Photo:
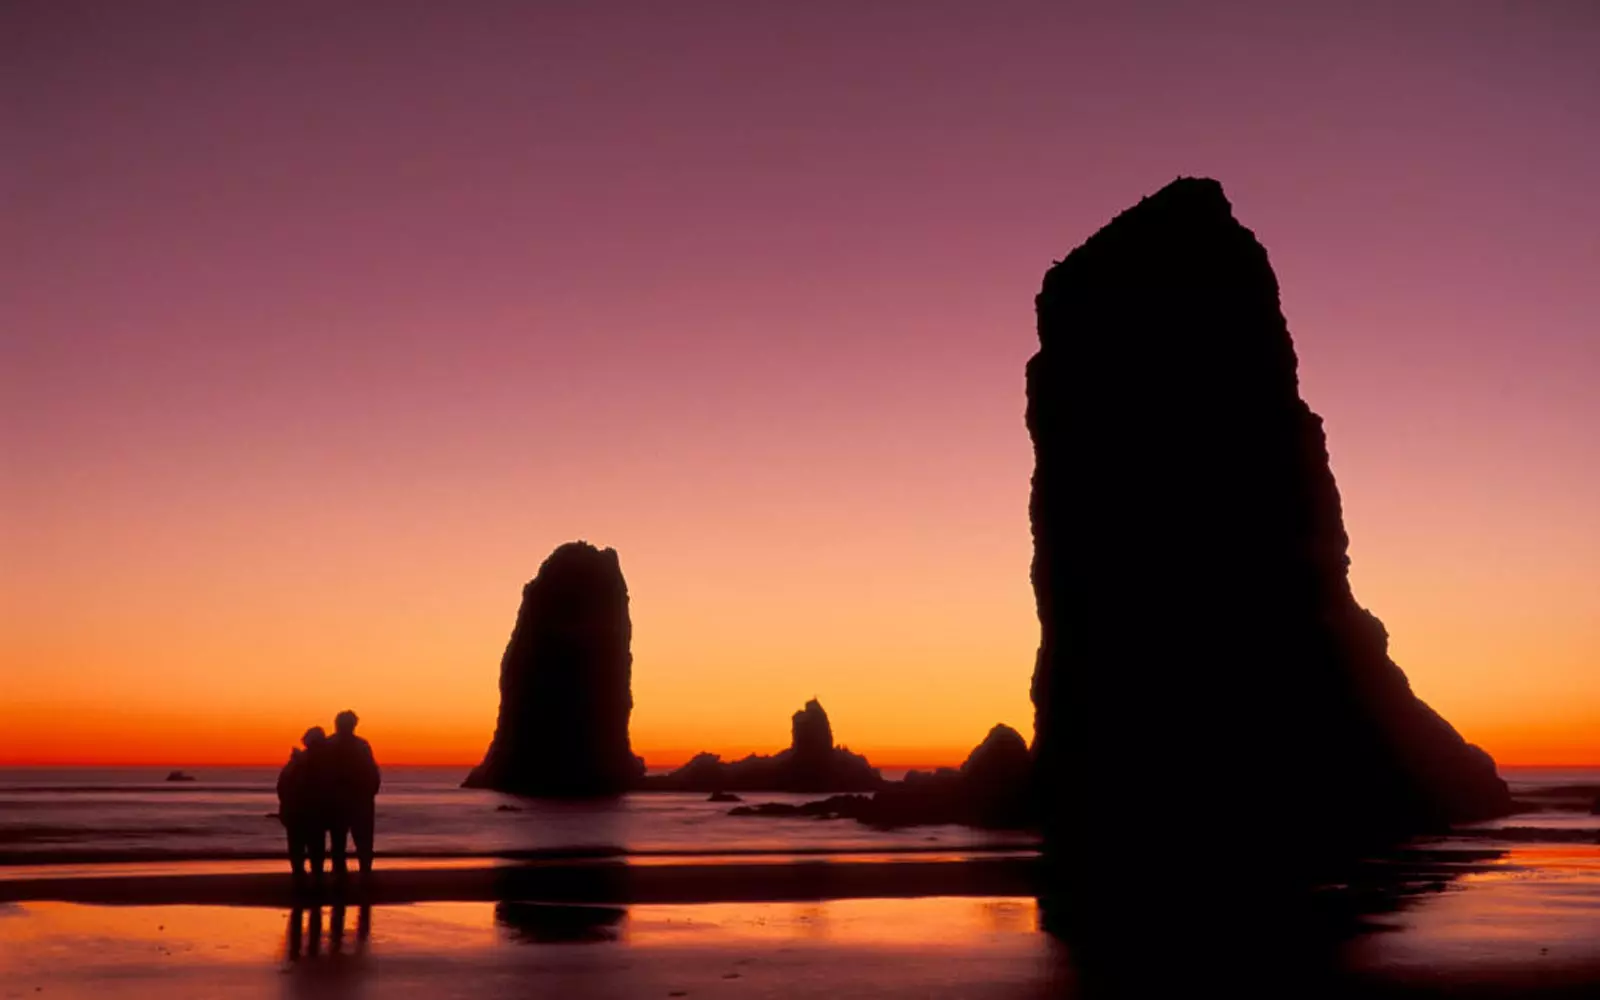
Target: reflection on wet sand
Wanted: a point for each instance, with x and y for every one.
(1535, 909)
(555, 923)
(894, 923)
(304, 938)
(1508, 924)
(900, 924)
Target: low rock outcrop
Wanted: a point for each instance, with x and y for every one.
(810, 764)
(565, 684)
(992, 788)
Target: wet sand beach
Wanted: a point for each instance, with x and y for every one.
(1515, 922)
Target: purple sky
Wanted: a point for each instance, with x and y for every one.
(323, 323)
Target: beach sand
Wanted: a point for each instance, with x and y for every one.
(1522, 922)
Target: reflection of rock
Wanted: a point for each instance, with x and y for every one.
(992, 789)
(550, 923)
(1190, 569)
(811, 764)
(565, 693)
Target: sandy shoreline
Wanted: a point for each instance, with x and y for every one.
(1513, 921)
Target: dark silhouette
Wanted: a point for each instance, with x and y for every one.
(179, 776)
(559, 923)
(302, 807)
(993, 788)
(349, 773)
(1190, 572)
(304, 935)
(565, 684)
(810, 764)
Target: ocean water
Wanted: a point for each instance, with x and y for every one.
(88, 816)
(108, 815)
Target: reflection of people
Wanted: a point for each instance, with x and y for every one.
(300, 806)
(352, 780)
(304, 939)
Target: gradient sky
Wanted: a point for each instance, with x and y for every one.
(322, 324)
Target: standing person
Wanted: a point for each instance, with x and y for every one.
(353, 785)
(301, 807)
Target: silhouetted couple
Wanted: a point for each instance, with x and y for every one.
(326, 793)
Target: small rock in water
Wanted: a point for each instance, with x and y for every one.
(766, 809)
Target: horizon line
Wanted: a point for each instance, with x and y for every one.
(468, 765)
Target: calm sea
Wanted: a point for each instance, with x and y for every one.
(91, 816)
(105, 815)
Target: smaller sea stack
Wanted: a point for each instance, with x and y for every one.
(810, 764)
(993, 788)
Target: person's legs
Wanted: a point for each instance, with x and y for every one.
(361, 832)
(315, 837)
(340, 834)
(297, 851)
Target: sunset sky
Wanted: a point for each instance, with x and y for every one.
(322, 324)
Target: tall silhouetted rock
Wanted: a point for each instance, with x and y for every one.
(1202, 657)
(565, 684)
(810, 764)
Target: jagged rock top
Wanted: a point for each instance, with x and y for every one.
(810, 733)
(1176, 253)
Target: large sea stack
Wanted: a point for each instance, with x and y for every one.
(566, 684)
(1206, 682)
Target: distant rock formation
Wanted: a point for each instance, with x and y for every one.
(811, 737)
(1201, 652)
(998, 779)
(811, 764)
(565, 684)
(993, 788)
